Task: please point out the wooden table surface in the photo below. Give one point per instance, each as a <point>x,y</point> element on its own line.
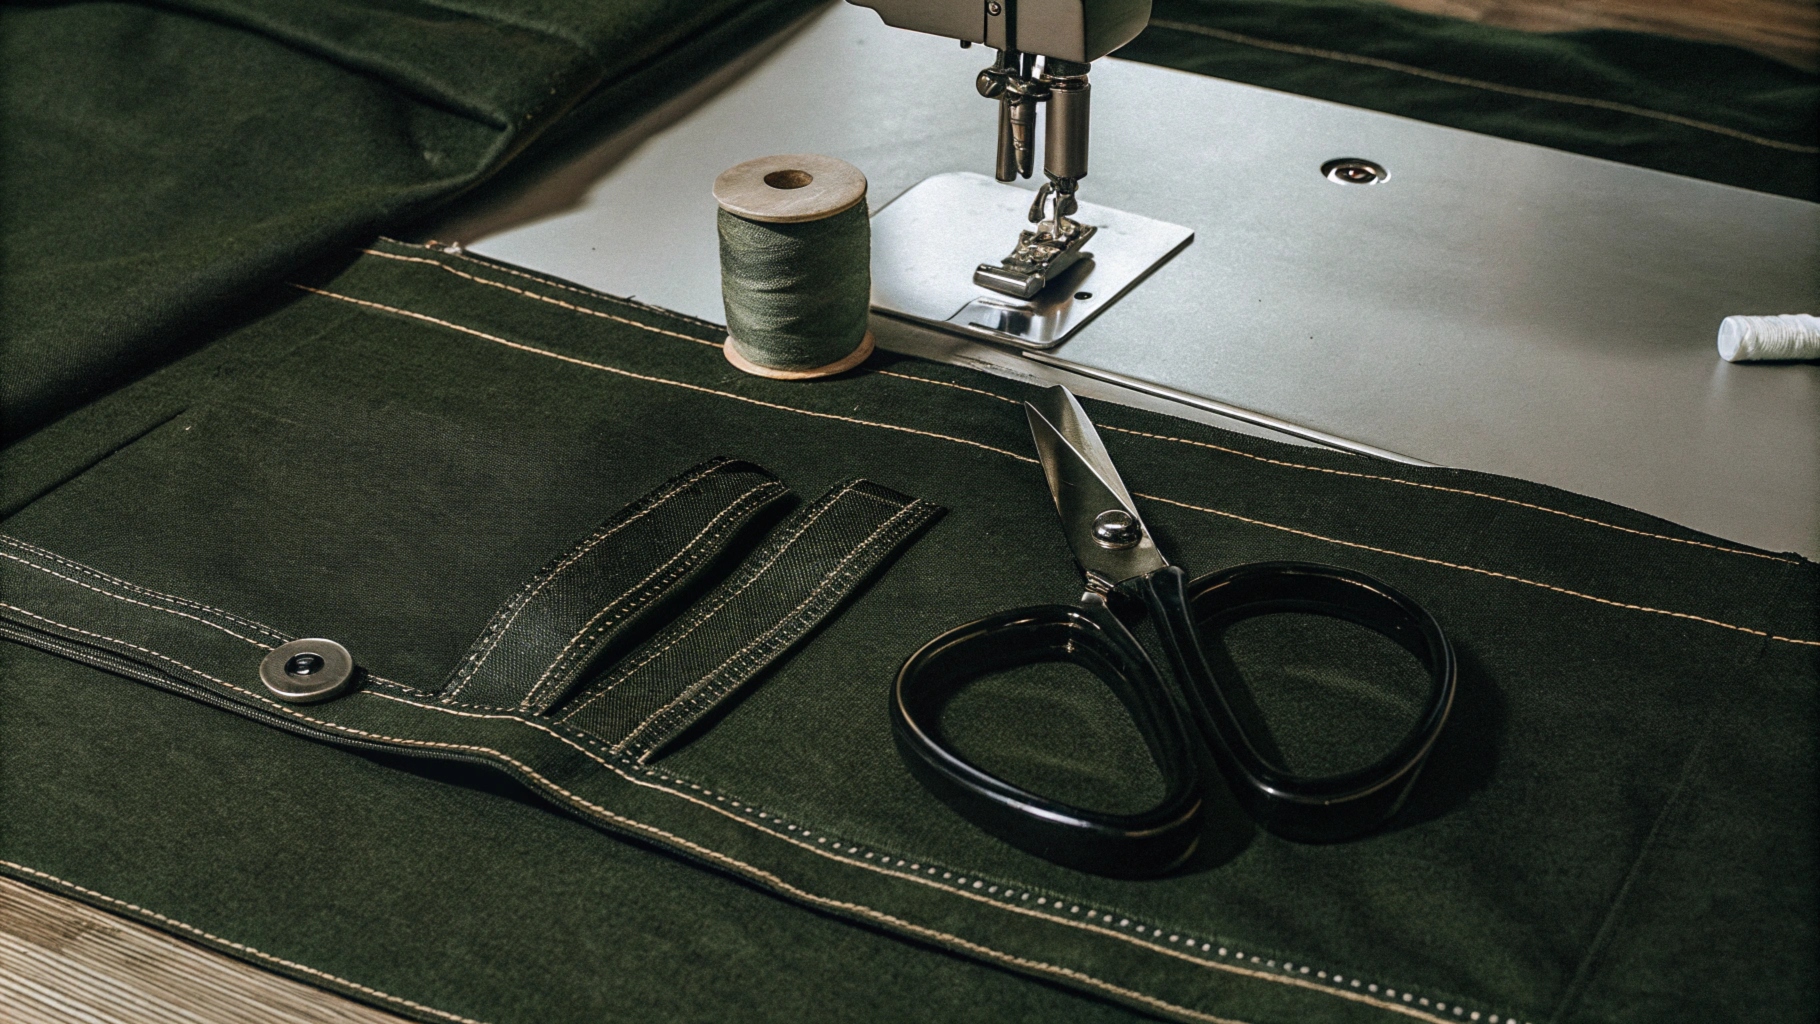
<point>63,961</point>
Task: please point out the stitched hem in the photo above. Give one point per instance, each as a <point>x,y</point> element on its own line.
<point>701,616</point>
<point>1003,398</point>
<point>534,350</point>
<point>591,631</point>
<point>713,687</point>
<point>996,894</point>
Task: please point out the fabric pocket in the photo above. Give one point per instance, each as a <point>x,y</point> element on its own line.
<point>579,606</point>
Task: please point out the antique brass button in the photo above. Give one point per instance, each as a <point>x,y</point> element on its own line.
<point>306,671</point>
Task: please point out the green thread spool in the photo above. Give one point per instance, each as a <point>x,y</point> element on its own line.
<point>795,265</point>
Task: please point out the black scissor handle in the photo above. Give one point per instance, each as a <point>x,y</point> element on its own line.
<point>1148,842</point>
<point>1307,808</point>
<point>1310,809</point>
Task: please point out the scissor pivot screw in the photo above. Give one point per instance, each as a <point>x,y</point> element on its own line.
<point>1116,528</point>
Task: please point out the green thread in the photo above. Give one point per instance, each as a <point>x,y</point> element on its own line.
<point>797,295</point>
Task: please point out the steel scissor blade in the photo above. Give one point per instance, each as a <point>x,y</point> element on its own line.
<point>1088,492</point>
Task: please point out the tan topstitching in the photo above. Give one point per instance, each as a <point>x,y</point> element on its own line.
<point>820,586</point>
<point>818,850</point>
<point>1460,491</point>
<point>89,570</point>
<point>1023,458</point>
<point>731,508</point>
<point>1372,476</point>
<point>700,616</point>
<point>1123,430</point>
<point>589,292</point>
<point>142,604</point>
<point>716,856</point>
<point>536,587</point>
<point>541,298</point>
<point>659,380</point>
<point>1482,572</point>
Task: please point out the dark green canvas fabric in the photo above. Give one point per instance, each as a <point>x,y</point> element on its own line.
<point>1618,825</point>
<point>1701,109</point>
<point>159,162</point>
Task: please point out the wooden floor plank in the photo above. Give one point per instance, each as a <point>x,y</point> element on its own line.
<point>62,961</point>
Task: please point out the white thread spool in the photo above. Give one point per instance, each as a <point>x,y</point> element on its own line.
<point>1790,336</point>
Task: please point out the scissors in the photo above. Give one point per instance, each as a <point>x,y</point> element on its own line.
<point>1185,717</point>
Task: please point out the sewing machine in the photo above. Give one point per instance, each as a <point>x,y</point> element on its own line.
<point>1482,303</point>
<point>1050,283</point>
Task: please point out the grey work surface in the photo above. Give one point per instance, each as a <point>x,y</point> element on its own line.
<point>1493,305</point>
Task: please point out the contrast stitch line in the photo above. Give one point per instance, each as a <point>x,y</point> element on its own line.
<point>89,570</point>
<point>830,579</point>
<point>1484,572</point>
<point>541,298</point>
<point>713,527</point>
<point>522,600</point>
<point>1450,490</point>
<point>1534,94</point>
<point>1122,430</point>
<point>239,947</point>
<point>668,314</point>
<point>538,584</point>
<point>1024,458</point>
<point>701,617</point>
<point>827,854</point>
<point>947,384</point>
<point>142,604</point>
<point>1367,476</point>
<point>815,899</point>
<point>661,380</point>
<point>706,853</point>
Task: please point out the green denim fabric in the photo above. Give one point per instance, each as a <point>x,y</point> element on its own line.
<point>1618,825</point>
<point>159,162</point>
<point>1699,109</point>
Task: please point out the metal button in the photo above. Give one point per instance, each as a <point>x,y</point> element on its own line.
<point>306,671</point>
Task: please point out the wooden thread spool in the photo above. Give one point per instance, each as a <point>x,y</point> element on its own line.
<point>795,261</point>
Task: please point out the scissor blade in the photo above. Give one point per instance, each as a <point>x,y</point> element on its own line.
<point>1089,496</point>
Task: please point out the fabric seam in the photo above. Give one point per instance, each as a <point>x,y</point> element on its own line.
<point>494,635</point>
<point>631,824</point>
<point>586,741</point>
<point>708,684</point>
<point>541,298</point>
<point>1022,458</point>
<point>715,528</point>
<point>701,617</point>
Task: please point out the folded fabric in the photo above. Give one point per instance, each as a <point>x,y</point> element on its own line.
<point>163,161</point>
<point>1618,822</point>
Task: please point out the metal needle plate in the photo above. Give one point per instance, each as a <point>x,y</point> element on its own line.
<point>927,242</point>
